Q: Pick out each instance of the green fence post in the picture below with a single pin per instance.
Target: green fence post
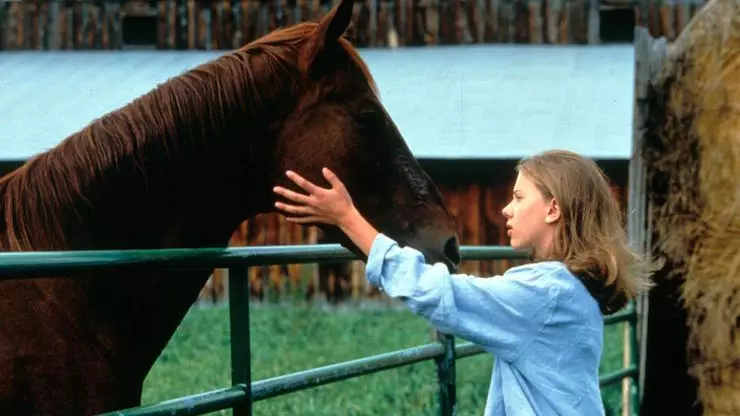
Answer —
(241, 371)
(634, 385)
(446, 375)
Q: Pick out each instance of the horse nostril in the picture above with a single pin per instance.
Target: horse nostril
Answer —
(452, 250)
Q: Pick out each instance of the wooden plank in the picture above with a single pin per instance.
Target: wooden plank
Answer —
(535, 22)
(553, 10)
(53, 29)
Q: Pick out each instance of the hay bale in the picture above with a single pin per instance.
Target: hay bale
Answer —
(692, 155)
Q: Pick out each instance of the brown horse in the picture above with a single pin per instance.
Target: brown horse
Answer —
(144, 176)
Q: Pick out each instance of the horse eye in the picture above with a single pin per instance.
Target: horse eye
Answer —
(371, 118)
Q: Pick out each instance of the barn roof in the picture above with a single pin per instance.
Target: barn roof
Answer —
(481, 101)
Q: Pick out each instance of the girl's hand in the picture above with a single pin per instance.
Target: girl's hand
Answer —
(330, 206)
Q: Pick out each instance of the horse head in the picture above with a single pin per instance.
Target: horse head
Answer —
(337, 120)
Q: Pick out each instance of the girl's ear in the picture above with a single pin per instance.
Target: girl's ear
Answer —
(553, 212)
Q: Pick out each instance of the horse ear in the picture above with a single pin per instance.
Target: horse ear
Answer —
(326, 34)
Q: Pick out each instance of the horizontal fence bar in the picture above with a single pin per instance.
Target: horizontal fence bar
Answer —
(469, 349)
(195, 404)
(277, 386)
(482, 253)
(210, 401)
(617, 376)
(628, 314)
(47, 263)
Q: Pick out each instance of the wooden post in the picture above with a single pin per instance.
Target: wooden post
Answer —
(649, 55)
(626, 382)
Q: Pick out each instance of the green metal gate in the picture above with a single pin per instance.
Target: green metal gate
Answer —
(243, 392)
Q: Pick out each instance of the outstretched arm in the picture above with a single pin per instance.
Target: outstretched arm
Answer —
(502, 314)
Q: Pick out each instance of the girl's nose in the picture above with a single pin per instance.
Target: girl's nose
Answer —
(505, 211)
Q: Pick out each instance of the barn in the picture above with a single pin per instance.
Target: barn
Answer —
(493, 102)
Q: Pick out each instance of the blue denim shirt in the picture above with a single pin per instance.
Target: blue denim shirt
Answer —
(539, 322)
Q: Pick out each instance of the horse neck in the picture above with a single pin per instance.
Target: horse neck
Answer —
(179, 171)
(186, 182)
(210, 172)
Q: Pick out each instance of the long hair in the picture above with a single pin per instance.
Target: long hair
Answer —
(590, 239)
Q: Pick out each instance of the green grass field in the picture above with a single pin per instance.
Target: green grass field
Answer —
(288, 339)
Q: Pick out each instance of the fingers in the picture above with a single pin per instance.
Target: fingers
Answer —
(295, 209)
(293, 196)
(305, 220)
(332, 178)
(304, 183)
(309, 214)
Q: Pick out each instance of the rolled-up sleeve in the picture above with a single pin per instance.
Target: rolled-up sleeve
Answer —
(502, 314)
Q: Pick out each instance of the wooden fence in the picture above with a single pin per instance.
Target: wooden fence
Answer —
(668, 18)
(226, 24)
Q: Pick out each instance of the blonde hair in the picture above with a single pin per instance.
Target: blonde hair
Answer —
(590, 239)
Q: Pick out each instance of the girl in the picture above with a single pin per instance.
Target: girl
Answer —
(542, 321)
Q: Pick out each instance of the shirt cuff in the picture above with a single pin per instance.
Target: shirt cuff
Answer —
(375, 259)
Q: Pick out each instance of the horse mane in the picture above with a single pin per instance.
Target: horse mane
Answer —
(49, 202)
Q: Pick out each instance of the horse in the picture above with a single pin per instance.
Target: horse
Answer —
(145, 175)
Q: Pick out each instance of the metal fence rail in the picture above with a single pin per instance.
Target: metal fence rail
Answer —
(238, 260)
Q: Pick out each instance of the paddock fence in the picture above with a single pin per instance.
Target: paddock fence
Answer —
(241, 395)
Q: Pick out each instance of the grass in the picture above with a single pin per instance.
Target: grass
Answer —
(288, 339)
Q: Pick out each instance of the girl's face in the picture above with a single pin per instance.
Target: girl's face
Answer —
(530, 220)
